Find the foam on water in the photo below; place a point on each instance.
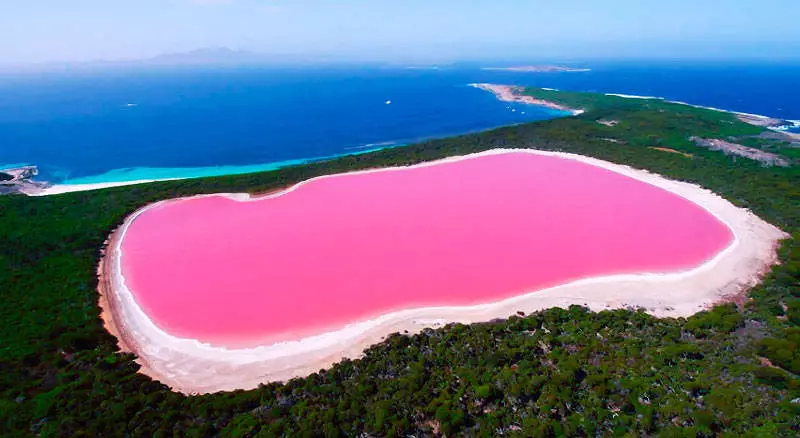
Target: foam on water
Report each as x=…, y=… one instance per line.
x=633, y=96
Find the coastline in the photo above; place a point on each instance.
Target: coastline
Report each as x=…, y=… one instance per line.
x=201, y=172
x=509, y=93
x=771, y=123
x=189, y=366
x=506, y=93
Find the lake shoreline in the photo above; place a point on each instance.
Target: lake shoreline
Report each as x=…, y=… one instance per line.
x=192, y=367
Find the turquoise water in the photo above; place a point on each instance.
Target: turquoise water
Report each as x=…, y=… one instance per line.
x=155, y=173
x=12, y=165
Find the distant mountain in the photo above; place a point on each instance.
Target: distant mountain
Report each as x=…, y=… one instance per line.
x=213, y=55
x=206, y=56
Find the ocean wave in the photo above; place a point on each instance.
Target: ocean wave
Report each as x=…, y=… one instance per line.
x=790, y=126
x=373, y=145
x=633, y=96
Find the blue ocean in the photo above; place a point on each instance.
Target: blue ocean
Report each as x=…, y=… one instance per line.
x=105, y=125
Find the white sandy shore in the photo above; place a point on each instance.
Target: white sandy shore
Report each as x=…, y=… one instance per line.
x=190, y=366
x=67, y=188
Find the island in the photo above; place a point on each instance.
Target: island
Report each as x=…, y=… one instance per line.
x=696, y=330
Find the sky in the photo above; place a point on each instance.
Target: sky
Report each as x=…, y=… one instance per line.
x=33, y=31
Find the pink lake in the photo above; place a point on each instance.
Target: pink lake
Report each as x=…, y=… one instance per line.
x=348, y=248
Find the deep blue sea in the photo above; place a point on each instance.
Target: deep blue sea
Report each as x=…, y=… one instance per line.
x=115, y=125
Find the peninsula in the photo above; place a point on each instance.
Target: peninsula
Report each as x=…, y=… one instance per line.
x=513, y=93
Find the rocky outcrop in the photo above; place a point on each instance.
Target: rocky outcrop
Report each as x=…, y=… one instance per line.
x=19, y=180
x=728, y=148
x=766, y=122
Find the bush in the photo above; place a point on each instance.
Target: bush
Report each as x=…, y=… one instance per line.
x=721, y=319
x=784, y=351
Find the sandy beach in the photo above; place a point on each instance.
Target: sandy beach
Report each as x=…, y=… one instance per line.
x=510, y=93
x=190, y=366
x=58, y=189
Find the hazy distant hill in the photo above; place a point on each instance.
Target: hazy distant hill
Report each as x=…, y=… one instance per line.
x=203, y=56
x=212, y=55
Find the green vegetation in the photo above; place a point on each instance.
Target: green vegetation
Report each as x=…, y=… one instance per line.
x=731, y=370
x=635, y=114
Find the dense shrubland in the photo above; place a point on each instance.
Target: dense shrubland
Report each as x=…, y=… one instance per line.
x=730, y=370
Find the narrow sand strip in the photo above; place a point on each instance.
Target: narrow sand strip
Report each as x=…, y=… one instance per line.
x=672, y=151
x=189, y=366
x=58, y=189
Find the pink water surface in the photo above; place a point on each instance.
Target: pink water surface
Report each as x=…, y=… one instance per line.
x=345, y=249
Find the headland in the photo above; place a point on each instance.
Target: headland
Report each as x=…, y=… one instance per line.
x=513, y=93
